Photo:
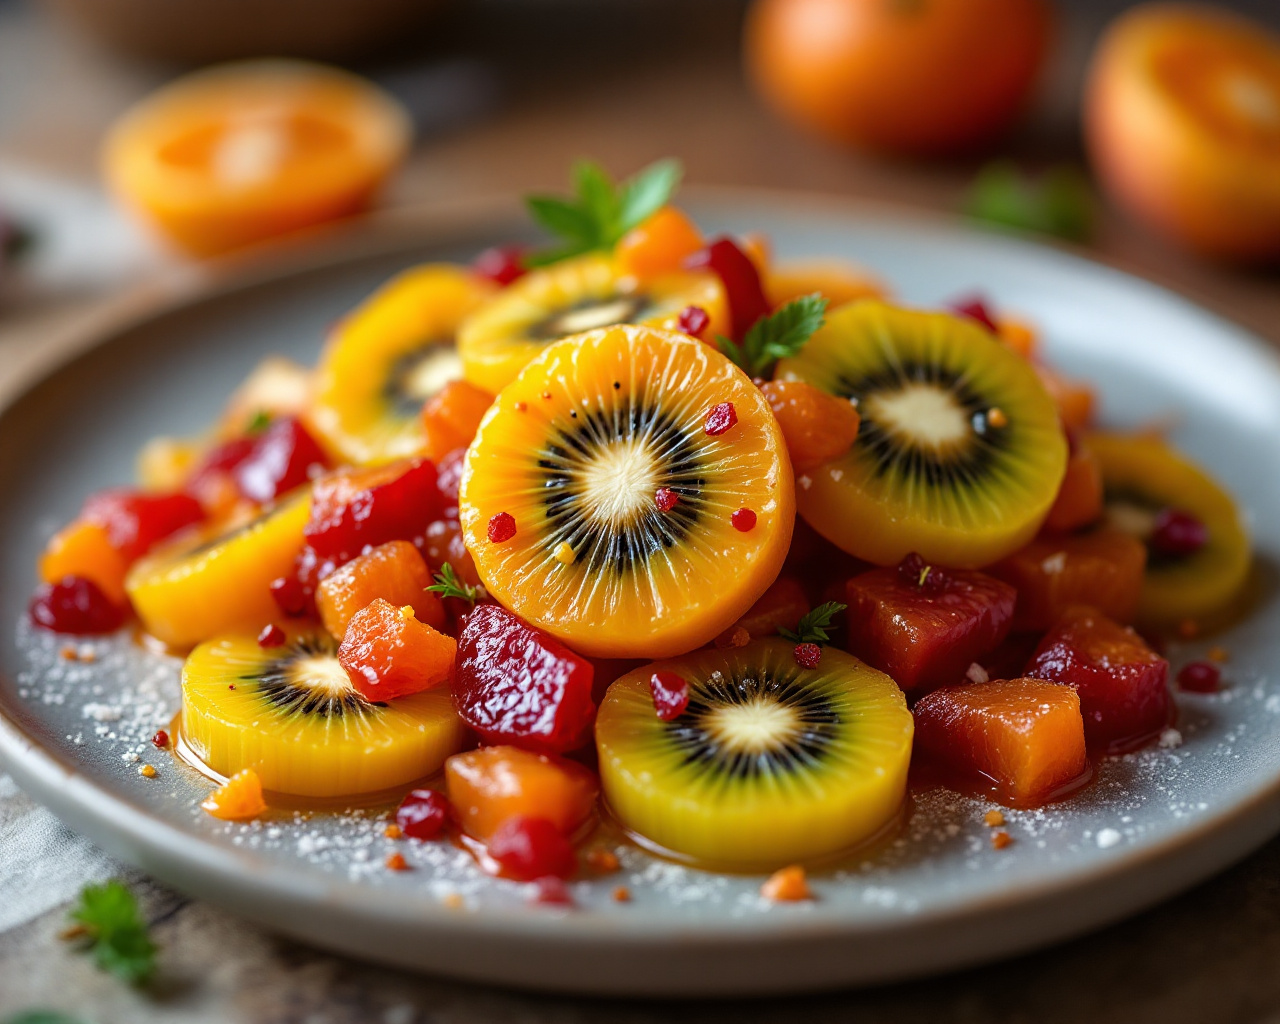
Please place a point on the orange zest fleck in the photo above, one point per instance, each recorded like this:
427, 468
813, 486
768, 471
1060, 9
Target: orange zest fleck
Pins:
999, 840
240, 797
396, 862
787, 885
993, 819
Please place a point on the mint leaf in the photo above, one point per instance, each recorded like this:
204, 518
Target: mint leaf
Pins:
116, 932
599, 212
813, 625
1058, 202
40, 1017
447, 584
777, 336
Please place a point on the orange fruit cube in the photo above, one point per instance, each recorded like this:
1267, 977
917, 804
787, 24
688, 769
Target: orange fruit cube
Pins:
452, 416
781, 605
493, 784
394, 572
85, 549
1080, 495
1102, 568
1074, 399
1027, 735
817, 427
239, 153
388, 653
238, 798
658, 245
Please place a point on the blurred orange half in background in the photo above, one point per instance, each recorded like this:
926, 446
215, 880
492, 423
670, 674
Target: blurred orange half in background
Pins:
246, 151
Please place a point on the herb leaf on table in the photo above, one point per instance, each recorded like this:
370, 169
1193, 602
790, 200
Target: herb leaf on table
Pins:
108, 917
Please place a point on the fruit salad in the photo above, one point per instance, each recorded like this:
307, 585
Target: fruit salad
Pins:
648, 530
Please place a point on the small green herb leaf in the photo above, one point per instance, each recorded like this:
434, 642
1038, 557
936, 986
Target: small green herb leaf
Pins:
600, 212
777, 336
40, 1017
812, 628
258, 422
447, 584
1058, 202
116, 932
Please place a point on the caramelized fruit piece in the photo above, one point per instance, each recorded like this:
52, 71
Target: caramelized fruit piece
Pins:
780, 607
1102, 567
770, 762
516, 684
528, 849
388, 653
1122, 683
740, 278
1144, 476
818, 427
237, 799
293, 715
570, 297
494, 784
357, 507
451, 417
283, 456
423, 813
394, 572
136, 522
1026, 735
837, 282
195, 587
244, 151
1074, 400
388, 357
501, 264
658, 245
593, 559
76, 606
1079, 500
959, 454
926, 634
84, 550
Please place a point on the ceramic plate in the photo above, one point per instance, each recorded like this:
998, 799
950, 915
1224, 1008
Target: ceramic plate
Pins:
935, 896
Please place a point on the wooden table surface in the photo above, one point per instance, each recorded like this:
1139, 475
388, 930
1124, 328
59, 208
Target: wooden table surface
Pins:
625, 82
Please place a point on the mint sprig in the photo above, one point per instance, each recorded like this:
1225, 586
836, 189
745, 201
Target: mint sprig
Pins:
813, 625
447, 584
600, 211
779, 335
1058, 202
108, 917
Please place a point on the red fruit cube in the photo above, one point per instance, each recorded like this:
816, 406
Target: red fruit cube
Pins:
1123, 683
284, 456
925, 629
1026, 735
741, 280
518, 685
135, 521
356, 508
530, 848
77, 606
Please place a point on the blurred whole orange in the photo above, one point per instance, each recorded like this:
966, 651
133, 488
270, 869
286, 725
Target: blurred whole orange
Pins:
1182, 120
916, 77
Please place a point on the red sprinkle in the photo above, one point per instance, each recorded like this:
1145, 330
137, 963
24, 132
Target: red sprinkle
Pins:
1177, 534
744, 520
1200, 677
808, 655
976, 309
693, 320
271, 636
670, 694
666, 499
161, 739
916, 572
720, 418
502, 527
502, 264
422, 814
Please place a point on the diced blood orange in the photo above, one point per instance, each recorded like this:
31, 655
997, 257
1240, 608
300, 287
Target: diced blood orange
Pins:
451, 417
84, 549
1074, 399
394, 572
926, 634
357, 507
444, 542
283, 456
1102, 568
1026, 735
1123, 684
1080, 499
135, 521
516, 684
658, 245
817, 427
781, 606
238, 798
388, 653
493, 784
